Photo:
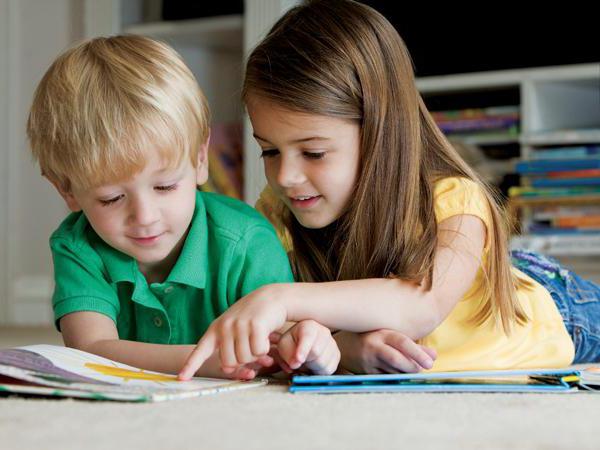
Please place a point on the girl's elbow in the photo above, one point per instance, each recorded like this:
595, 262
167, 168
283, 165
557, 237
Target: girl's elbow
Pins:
429, 319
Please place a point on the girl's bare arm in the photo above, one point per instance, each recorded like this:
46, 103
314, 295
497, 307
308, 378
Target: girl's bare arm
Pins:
371, 304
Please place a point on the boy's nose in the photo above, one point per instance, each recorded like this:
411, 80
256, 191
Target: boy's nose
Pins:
290, 174
144, 212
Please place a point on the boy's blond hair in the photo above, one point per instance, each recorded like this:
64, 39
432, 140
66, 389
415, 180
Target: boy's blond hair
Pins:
103, 104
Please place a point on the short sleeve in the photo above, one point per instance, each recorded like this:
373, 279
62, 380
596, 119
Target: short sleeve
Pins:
258, 259
457, 196
79, 282
272, 208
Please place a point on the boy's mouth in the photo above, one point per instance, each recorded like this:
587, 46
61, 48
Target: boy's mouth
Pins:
147, 240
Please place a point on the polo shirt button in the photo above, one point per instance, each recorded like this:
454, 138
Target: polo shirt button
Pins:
168, 289
158, 321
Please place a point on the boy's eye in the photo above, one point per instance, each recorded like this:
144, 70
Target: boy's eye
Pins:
169, 187
269, 153
314, 155
110, 201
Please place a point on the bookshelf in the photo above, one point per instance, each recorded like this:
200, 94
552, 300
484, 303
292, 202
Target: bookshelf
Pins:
559, 106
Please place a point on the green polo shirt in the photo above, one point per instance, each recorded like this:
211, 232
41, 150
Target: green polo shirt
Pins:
230, 251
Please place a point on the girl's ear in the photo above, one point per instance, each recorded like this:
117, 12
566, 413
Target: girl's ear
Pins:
66, 194
202, 163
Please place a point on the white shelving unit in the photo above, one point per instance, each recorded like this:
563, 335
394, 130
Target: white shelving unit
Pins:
213, 49
559, 106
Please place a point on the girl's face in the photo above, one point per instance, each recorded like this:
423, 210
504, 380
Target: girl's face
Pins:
311, 161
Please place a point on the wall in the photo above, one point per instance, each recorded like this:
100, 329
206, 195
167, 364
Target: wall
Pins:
32, 33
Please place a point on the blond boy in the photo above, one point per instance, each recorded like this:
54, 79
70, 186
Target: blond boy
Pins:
145, 262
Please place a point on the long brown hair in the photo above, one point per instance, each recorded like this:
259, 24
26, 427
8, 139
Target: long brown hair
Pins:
343, 59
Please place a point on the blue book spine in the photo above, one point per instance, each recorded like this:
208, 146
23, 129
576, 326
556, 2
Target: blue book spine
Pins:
566, 152
565, 182
544, 166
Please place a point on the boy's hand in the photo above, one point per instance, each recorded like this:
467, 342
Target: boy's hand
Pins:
308, 345
240, 334
383, 351
264, 365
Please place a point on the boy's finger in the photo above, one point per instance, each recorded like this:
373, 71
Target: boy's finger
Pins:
286, 349
322, 344
324, 363
274, 337
206, 346
305, 342
245, 373
265, 361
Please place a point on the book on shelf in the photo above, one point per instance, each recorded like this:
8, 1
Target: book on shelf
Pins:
527, 381
543, 229
542, 182
481, 124
545, 166
522, 192
485, 123
55, 371
582, 244
571, 152
583, 173
566, 136
476, 113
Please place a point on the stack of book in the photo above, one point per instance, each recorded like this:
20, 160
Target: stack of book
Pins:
482, 125
562, 195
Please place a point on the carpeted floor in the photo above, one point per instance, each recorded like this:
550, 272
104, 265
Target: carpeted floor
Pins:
269, 417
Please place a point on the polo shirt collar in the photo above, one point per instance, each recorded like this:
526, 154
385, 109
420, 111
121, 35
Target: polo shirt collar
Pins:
192, 264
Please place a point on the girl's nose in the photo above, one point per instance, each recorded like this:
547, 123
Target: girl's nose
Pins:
290, 173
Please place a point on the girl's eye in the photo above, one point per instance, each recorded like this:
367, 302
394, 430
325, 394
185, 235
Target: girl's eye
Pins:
269, 153
110, 201
170, 187
314, 155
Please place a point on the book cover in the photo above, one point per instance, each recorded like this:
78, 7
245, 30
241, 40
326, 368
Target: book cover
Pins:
485, 123
564, 182
544, 166
51, 370
573, 152
530, 380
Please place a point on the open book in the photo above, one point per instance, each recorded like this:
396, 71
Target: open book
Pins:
532, 380
51, 370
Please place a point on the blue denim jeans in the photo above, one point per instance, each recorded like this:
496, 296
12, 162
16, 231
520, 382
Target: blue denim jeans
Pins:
578, 300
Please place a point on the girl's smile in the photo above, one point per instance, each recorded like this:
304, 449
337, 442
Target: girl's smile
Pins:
304, 202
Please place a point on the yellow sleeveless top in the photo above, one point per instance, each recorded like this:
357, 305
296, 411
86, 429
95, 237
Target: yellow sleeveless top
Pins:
460, 344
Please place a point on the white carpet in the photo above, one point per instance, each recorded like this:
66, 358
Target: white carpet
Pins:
271, 418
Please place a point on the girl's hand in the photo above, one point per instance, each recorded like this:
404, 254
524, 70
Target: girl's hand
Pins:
240, 334
308, 345
383, 351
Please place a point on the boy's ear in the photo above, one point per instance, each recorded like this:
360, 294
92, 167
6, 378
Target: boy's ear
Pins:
202, 163
66, 194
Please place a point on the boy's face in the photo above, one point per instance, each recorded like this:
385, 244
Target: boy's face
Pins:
147, 216
311, 161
